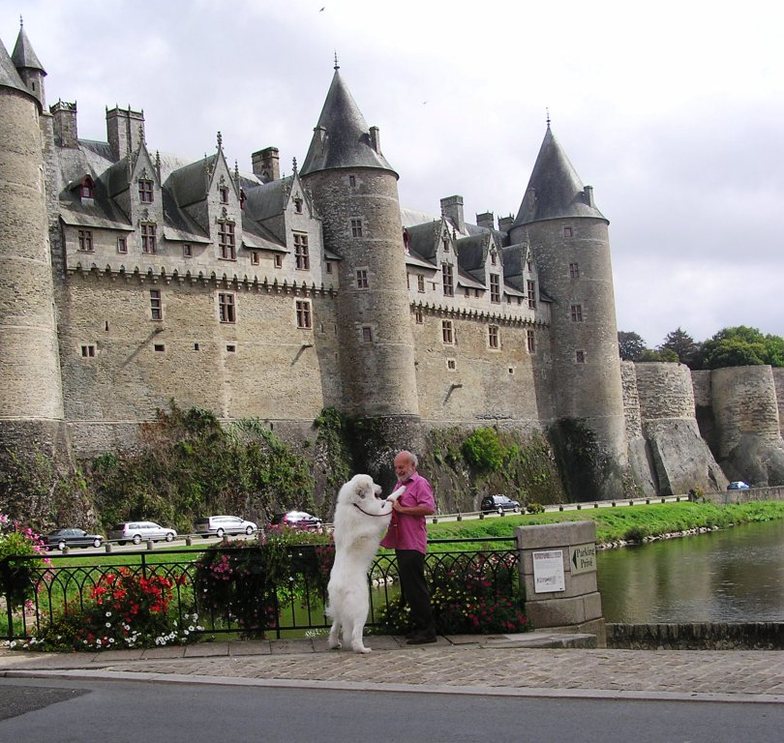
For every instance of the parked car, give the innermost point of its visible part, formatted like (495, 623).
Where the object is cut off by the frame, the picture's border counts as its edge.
(499, 503)
(296, 520)
(61, 538)
(220, 525)
(738, 485)
(138, 531)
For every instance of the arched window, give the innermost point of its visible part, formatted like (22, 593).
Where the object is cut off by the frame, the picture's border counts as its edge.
(87, 188)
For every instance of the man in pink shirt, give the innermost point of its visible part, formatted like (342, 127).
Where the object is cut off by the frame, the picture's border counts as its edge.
(407, 535)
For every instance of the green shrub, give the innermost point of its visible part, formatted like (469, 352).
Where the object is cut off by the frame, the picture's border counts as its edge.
(483, 451)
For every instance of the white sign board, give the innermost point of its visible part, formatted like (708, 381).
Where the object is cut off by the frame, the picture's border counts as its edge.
(548, 571)
(582, 558)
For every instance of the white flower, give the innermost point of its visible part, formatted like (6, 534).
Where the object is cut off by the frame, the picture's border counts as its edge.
(108, 613)
(108, 624)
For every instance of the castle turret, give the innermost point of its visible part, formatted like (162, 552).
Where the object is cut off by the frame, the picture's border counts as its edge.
(354, 189)
(30, 70)
(31, 403)
(570, 244)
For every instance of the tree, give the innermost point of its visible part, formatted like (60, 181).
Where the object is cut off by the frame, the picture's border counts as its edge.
(742, 346)
(630, 346)
(662, 355)
(683, 346)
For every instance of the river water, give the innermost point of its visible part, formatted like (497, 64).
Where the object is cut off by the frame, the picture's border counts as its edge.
(733, 575)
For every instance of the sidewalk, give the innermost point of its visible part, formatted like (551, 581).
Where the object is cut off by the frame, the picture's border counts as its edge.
(530, 664)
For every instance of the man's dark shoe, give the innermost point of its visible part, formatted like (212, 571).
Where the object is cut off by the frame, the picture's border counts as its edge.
(412, 635)
(421, 639)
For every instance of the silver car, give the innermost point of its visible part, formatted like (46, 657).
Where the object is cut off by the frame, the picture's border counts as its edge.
(140, 531)
(220, 525)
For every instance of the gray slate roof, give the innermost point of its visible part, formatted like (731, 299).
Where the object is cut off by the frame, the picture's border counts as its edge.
(23, 55)
(347, 136)
(9, 77)
(555, 190)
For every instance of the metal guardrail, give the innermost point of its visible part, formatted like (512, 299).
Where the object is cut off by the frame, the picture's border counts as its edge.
(63, 587)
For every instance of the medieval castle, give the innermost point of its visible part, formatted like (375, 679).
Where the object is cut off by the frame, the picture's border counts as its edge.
(130, 278)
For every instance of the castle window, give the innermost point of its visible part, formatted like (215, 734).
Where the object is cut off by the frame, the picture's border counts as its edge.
(531, 294)
(567, 232)
(122, 244)
(196, 347)
(145, 191)
(187, 250)
(231, 348)
(356, 228)
(467, 292)
(329, 267)
(492, 336)
(421, 284)
(530, 265)
(493, 259)
(156, 308)
(352, 181)
(449, 282)
(579, 357)
(445, 242)
(304, 319)
(86, 188)
(451, 364)
(159, 347)
(227, 311)
(495, 288)
(301, 253)
(362, 278)
(224, 194)
(531, 339)
(149, 238)
(367, 334)
(577, 312)
(278, 260)
(298, 205)
(574, 271)
(226, 241)
(419, 316)
(86, 241)
(447, 333)
(88, 351)
(254, 258)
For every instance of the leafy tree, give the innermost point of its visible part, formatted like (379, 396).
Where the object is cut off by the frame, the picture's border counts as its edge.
(742, 346)
(631, 346)
(683, 346)
(659, 355)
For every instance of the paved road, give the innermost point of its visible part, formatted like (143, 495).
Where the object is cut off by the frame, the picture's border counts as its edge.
(76, 710)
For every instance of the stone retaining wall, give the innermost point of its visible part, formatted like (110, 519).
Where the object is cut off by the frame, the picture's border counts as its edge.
(697, 636)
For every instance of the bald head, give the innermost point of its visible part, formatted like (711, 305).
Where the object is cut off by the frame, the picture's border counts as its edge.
(405, 465)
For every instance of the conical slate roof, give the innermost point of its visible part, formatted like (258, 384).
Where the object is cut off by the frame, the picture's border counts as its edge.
(341, 138)
(555, 190)
(23, 55)
(9, 77)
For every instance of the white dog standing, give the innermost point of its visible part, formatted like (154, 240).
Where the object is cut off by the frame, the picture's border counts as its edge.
(361, 520)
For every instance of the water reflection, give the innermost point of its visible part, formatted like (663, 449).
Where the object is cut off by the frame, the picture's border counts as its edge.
(731, 575)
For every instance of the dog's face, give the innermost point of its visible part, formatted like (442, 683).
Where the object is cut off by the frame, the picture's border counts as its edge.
(361, 489)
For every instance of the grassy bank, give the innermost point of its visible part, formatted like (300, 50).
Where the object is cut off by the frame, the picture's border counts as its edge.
(629, 523)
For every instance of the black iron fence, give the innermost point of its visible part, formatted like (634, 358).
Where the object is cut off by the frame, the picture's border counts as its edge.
(66, 585)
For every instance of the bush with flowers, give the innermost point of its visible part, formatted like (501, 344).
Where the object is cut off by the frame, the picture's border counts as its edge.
(244, 582)
(126, 610)
(470, 594)
(17, 583)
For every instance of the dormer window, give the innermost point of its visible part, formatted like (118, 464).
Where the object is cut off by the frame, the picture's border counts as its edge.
(495, 288)
(298, 205)
(445, 242)
(145, 190)
(149, 238)
(226, 241)
(224, 194)
(448, 278)
(493, 258)
(87, 188)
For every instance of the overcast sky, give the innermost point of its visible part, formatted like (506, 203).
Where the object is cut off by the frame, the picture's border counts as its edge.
(671, 110)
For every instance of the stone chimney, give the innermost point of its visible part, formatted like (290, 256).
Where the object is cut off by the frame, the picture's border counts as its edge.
(452, 208)
(486, 220)
(375, 139)
(266, 164)
(588, 191)
(64, 124)
(124, 130)
(505, 223)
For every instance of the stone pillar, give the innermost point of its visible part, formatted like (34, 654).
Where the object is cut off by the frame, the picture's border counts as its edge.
(558, 571)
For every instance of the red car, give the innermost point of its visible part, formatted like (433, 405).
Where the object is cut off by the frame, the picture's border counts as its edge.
(296, 520)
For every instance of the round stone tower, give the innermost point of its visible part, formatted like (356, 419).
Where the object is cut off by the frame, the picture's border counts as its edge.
(31, 400)
(570, 243)
(354, 190)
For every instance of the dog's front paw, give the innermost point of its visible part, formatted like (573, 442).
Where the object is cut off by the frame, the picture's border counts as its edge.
(395, 494)
(362, 649)
(334, 645)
